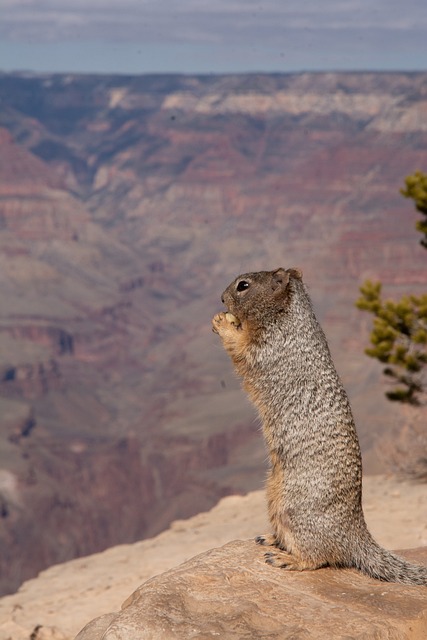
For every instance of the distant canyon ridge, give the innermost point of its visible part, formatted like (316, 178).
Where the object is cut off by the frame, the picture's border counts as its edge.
(127, 205)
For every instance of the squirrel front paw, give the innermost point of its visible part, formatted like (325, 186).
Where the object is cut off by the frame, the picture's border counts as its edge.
(224, 321)
(234, 336)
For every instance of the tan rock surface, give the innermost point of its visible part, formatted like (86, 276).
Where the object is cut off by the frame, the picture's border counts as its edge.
(65, 597)
(68, 595)
(230, 593)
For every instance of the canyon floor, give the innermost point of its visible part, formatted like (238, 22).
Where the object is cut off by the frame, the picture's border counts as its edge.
(63, 598)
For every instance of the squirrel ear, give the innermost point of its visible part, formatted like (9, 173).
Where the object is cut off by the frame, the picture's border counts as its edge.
(295, 272)
(280, 279)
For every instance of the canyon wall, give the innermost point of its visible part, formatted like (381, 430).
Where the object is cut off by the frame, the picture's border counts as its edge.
(127, 204)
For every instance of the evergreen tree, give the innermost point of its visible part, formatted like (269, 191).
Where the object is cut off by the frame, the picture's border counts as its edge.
(399, 334)
(416, 188)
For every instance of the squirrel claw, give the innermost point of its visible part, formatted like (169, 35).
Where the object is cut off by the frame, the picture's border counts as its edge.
(286, 561)
(271, 558)
(267, 540)
(276, 560)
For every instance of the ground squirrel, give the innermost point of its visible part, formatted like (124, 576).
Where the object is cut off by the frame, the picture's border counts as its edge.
(314, 486)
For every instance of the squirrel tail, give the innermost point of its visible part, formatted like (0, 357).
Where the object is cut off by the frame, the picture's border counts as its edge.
(381, 564)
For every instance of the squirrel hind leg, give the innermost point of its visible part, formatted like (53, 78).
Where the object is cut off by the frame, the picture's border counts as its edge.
(269, 540)
(287, 561)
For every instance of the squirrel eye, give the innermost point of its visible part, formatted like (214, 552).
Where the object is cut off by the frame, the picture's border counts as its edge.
(242, 285)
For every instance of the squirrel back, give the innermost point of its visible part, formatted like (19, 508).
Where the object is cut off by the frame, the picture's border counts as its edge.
(315, 481)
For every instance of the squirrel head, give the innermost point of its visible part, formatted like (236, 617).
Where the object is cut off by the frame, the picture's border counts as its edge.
(260, 296)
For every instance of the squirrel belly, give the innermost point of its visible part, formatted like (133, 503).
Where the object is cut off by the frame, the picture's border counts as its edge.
(314, 486)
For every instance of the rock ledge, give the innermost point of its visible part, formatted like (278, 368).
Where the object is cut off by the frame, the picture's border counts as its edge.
(230, 593)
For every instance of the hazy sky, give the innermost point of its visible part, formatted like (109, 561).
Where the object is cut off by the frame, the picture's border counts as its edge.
(138, 36)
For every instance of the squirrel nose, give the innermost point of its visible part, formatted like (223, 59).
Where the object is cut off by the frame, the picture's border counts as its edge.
(222, 299)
